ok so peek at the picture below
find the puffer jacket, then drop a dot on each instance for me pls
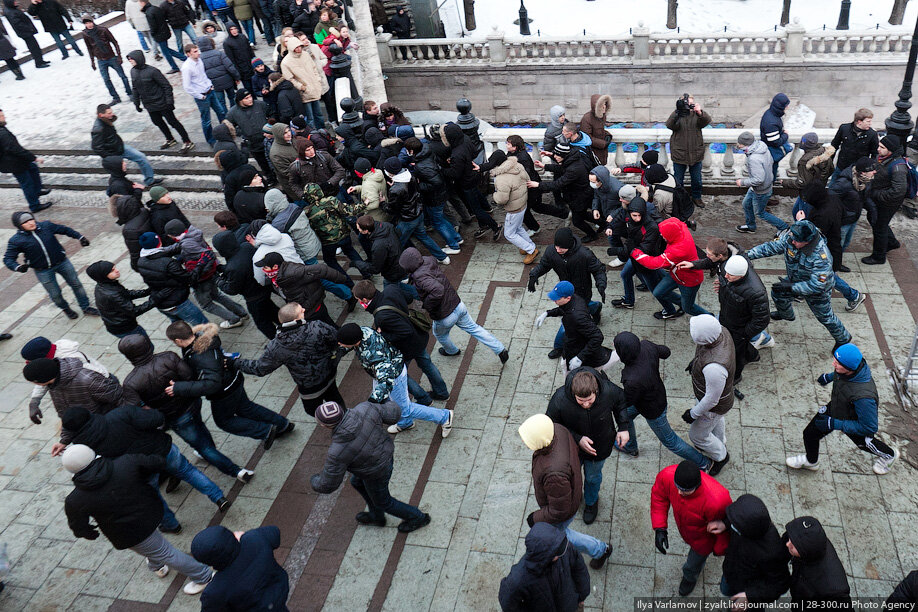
(540, 582)
(582, 337)
(371, 192)
(744, 304)
(302, 283)
(239, 52)
(759, 163)
(437, 293)
(77, 385)
(680, 246)
(605, 197)
(218, 67)
(814, 165)
(461, 156)
(510, 189)
(553, 131)
(593, 124)
(115, 303)
(40, 247)
(237, 277)
(853, 195)
(290, 219)
(214, 378)
(404, 200)
(606, 416)
(890, 184)
(269, 240)
(385, 252)
(644, 389)
(817, 575)
(686, 145)
(167, 278)
(301, 70)
(853, 144)
(756, 558)
(692, 512)
(149, 86)
(578, 265)
(306, 347)
(809, 268)
(771, 127)
(134, 221)
(557, 478)
(359, 445)
(123, 430)
(572, 180)
(324, 217)
(146, 384)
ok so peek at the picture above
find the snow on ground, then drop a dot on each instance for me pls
(615, 17)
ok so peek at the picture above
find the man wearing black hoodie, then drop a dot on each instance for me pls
(384, 255)
(116, 302)
(817, 574)
(151, 88)
(118, 182)
(463, 171)
(238, 278)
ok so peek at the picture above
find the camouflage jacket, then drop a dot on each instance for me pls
(326, 220)
(382, 361)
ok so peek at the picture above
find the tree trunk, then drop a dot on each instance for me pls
(671, 14)
(898, 12)
(785, 13)
(469, 14)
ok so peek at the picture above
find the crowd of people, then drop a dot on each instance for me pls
(320, 178)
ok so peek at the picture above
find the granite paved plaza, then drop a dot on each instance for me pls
(475, 484)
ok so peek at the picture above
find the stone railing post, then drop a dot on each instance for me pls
(386, 56)
(496, 50)
(793, 45)
(641, 38)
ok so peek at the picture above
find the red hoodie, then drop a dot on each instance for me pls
(680, 246)
(693, 513)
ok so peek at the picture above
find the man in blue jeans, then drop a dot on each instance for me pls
(200, 88)
(405, 205)
(168, 280)
(760, 182)
(161, 33)
(106, 142)
(53, 17)
(686, 145)
(20, 162)
(102, 46)
(44, 254)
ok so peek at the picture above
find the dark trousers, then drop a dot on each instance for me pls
(264, 315)
(869, 444)
(159, 119)
(529, 221)
(375, 492)
(235, 413)
(583, 220)
(190, 428)
(535, 204)
(261, 158)
(30, 182)
(330, 394)
(883, 236)
(476, 204)
(34, 49)
(745, 352)
(321, 314)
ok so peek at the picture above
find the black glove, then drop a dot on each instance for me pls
(602, 295)
(84, 241)
(92, 534)
(691, 363)
(825, 379)
(533, 283)
(221, 268)
(35, 412)
(328, 188)
(661, 539)
(23, 268)
(530, 520)
(687, 417)
(139, 108)
(783, 287)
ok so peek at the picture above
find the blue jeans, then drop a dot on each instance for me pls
(847, 233)
(650, 278)
(48, 280)
(847, 291)
(693, 565)
(210, 101)
(410, 292)
(139, 331)
(593, 307)
(835, 174)
(178, 35)
(665, 292)
(415, 229)
(379, 501)
(226, 16)
(337, 289)
(754, 205)
(235, 413)
(582, 542)
(30, 182)
(460, 317)
(821, 306)
(410, 410)
(143, 40)
(141, 160)
(592, 479)
(59, 38)
(661, 428)
(440, 223)
(249, 26)
(437, 384)
(190, 428)
(314, 114)
(178, 465)
(112, 63)
(168, 53)
(186, 311)
(694, 175)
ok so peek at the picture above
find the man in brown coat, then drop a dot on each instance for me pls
(593, 125)
(103, 49)
(558, 483)
(686, 145)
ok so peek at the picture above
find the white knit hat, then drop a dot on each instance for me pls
(77, 458)
(736, 265)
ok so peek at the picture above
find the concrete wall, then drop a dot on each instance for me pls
(731, 92)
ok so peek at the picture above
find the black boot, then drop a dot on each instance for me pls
(18, 72)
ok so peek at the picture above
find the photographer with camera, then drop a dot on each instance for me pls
(686, 145)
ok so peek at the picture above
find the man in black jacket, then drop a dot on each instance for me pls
(20, 162)
(296, 282)
(853, 141)
(25, 30)
(573, 181)
(851, 188)
(887, 190)
(115, 302)
(238, 50)
(152, 89)
(383, 255)
(238, 278)
(180, 18)
(817, 574)
(169, 281)
(361, 446)
(462, 171)
(117, 494)
(582, 344)
(52, 16)
(405, 205)
(222, 385)
(103, 48)
(640, 232)
(106, 142)
(592, 408)
(572, 262)
(159, 30)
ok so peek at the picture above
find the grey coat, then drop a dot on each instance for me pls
(280, 211)
(759, 163)
(79, 386)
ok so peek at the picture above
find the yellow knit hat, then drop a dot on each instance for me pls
(537, 431)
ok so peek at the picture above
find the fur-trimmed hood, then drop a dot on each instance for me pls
(204, 336)
(600, 105)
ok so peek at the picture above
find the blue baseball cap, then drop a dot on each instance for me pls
(849, 356)
(563, 289)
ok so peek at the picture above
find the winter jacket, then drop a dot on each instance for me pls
(644, 389)
(661, 198)
(853, 144)
(161, 214)
(324, 217)
(382, 361)
(756, 558)
(426, 169)
(905, 595)
(593, 124)
(167, 278)
(269, 240)
(40, 246)
(248, 577)
(117, 495)
(404, 200)
(540, 583)
(123, 430)
(249, 204)
(814, 165)
(77, 385)
(853, 198)
(292, 220)
(242, 9)
(282, 154)
(557, 478)
(301, 70)
(744, 306)
(437, 293)
(643, 235)
(105, 139)
(553, 131)
(809, 268)
(296, 282)
(115, 303)
(582, 337)
(370, 193)
(134, 221)
(224, 134)
(680, 246)
(578, 265)
(249, 122)
(321, 168)
(237, 277)
(156, 19)
(239, 52)
(105, 48)
(149, 86)
(14, 157)
(686, 144)
(118, 182)
(385, 252)
(53, 16)
(771, 127)
(599, 422)
(817, 575)
(306, 347)
(510, 189)
(359, 445)
(135, 16)
(461, 156)
(7, 50)
(572, 178)
(213, 377)
(146, 384)
(178, 13)
(692, 513)
(218, 67)
(395, 327)
(827, 216)
(605, 197)
(759, 163)
(890, 184)
(289, 101)
(19, 21)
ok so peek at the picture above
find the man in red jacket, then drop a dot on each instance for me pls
(680, 246)
(697, 501)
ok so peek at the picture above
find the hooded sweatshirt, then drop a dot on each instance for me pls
(282, 154)
(756, 559)
(269, 240)
(706, 331)
(437, 294)
(553, 131)
(817, 574)
(771, 127)
(759, 163)
(680, 246)
(289, 219)
(605, 197)
(641, 381)
(302, 71)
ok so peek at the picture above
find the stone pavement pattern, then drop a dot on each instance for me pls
(476, 484)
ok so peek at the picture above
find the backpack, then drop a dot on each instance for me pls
(683, 204)
(912, 175)
(208, 263)
(418, 318)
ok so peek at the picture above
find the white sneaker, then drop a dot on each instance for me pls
(799, 461)
(228, 325)
(461, 241)
(194, 588)
(531, 233)
(445, 262)
(447, 427)
(394, 429)
(761, 343)
(881, 466)
(615, 263)
(162, 572)
(198, 455)
(451, 251)
(244, 476)
(338, 251)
